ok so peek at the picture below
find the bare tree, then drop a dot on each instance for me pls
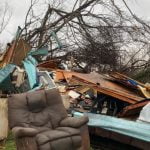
(113, 37)
(5, 16)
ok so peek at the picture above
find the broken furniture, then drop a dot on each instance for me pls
(46, 80)
(39, 121)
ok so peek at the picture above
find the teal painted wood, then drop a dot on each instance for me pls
(42, 51)
(133, 129)
(5, 81)
(30, 67)
(5, 72)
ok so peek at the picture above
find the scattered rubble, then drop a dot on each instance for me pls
(111, 94)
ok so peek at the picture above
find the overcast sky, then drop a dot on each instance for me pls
(20, 7)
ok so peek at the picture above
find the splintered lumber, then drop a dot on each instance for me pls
(101, 84)
(133, 109)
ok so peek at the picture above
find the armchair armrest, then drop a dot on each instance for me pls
(22, 132)
(74, 122)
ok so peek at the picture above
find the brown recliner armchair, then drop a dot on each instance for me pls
(39, 121)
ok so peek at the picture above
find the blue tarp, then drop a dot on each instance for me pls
(133, 129)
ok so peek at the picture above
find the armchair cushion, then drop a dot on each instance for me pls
(59, 133)
(42, 108)
(74, 122)
(22, 132)
(68, 143)
(41, 115)
(36, 102)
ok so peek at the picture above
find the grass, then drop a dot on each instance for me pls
(9, 144)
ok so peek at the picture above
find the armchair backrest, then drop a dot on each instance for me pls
(42, 108)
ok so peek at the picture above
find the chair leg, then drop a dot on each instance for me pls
(85, 137)
(26, 143)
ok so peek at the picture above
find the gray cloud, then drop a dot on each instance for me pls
(140, 7)
(18, 8)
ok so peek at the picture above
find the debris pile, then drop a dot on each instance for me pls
(114, 94)
(102, 94)
(24, 69)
